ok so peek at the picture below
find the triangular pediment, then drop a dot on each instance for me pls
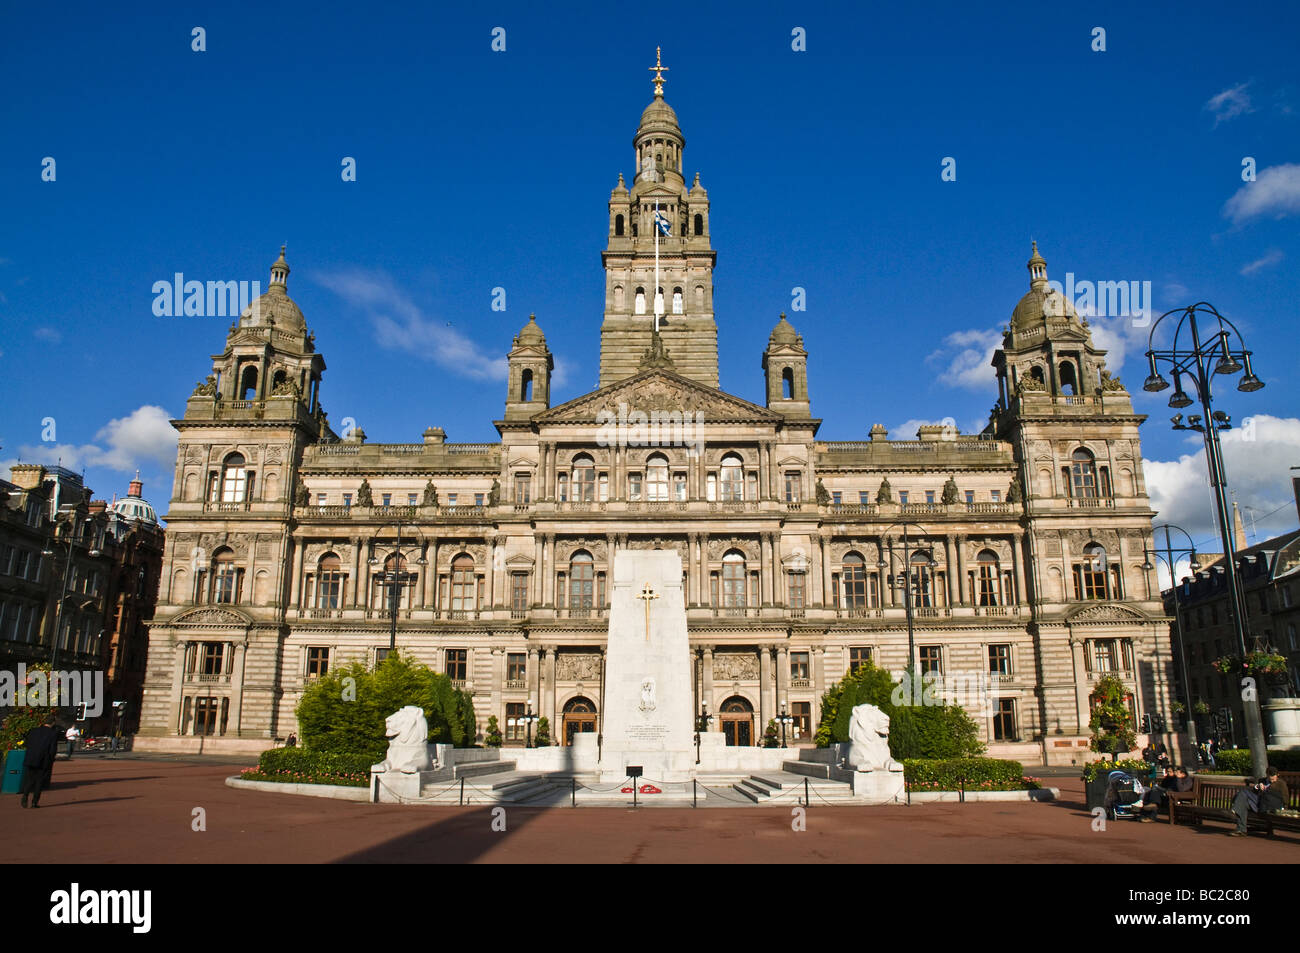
(658, 391)
(213, 615)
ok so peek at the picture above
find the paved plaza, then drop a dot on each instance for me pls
(137, 810)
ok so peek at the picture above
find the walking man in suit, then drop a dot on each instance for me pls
(41, 745)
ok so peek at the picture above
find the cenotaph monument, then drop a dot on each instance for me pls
(649, 710)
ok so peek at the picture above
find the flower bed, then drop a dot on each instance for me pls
(969, 774)
(300, 766)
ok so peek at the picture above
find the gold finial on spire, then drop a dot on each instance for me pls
(658, 69)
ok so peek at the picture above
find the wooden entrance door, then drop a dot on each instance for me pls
(579, 718)
(737, 717)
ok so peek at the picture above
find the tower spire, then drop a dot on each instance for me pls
(658, 69)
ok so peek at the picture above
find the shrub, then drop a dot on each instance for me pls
(493, 737)
(951, 774)
(299, 766)
(769, 734)
(543, 738)
(1134, 766)
(344, 711)
(915, 731)
(1237, 761)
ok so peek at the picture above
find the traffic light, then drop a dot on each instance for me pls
(81, 712)
(1158, 722)
(1146, 724)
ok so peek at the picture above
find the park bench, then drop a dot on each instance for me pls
(1211, 799)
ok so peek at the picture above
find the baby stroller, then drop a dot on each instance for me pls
(1123, 796)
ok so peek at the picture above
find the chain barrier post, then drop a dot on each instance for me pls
(573, 792)
(462, 792)
(695, 792)
(805, 793)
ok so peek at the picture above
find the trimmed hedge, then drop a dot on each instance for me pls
(972, 774)
(300, 766)
(1237, 761)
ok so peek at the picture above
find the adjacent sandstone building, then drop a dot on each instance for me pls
(290, 547)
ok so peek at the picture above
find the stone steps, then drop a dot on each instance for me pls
(475, 769)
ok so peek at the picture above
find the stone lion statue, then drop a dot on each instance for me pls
(407, 731)
(869, 740)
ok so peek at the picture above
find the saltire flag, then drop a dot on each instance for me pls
(665, 228)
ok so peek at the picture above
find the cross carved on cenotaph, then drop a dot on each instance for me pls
(646, 594)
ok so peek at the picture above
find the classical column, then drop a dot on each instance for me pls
(431, 575)
(950, 566)
(237, 688)
(538, 555)
(819, 668)
(1017, 563)
(491, 541)
(357, 551)
(533, 674)
(764, 471)
(550, 569)
(961, 570)
(782, 674)
(765, 690)
(773, 570)
(498, 681)
(822, 542)
(297, 572)
(708, 677)
(178, 686)
(887, 595)
(549, 703)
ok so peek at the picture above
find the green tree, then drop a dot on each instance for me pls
(769, 734)
(344, 711)
(493, 737)
(1111, 722)
(23, 718)
(543, 737)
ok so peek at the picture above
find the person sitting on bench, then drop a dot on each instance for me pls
(1156, 798)
(1261, 797)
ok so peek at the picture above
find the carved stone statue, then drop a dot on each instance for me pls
(301, 495)
(1030, 384)
(823, 494)
(950, 490)
(430, 494)
(494, 494)
(1109, 383)
(286, 388)
(869, 740)
(886, 492)
(365, 496)
(1014, 493)
(206, 388)
(407, 731)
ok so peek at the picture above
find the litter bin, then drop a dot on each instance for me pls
(13, 777)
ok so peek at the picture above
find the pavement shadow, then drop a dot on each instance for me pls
(95, 782)
(97, 800)
(461, 838)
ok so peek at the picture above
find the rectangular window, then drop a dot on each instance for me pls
(679, 487)
(347, 499)
(210, 661)
(929, 496)
(970, 496)
(1004, 722)
(380, 656)
(515, 721)
(318, 661)
(995, 496)
(523, 488)
(799, 666)
(902, 497)
(457, 664)
(320, 499)
(859, 655)
(386, 499)
(795, 588)
(1104, 655)
(634, 486)
(519, 591)
(864, 497)
(802, 712)
(793, 487)
(751, 485)
(836, 498)
(451, 499)
(410, 499)
(516, 669)
(1000, 659)
(931, 657)
(562, 488)
(478, 499)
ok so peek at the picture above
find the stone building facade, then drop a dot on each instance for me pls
(287, 541)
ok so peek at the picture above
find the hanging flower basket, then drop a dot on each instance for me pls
(1264, 664)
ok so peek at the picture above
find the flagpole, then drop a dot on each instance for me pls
(655, 292)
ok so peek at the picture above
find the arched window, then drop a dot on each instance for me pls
(987, 579)
(639, 302)
(584, 478)
(699, 297)
(1082, 475)
(656, 475)
(733, 478)
(1068, 383)
(618, 226)
(227, 578)
(618, 298)
(733, 580)
(582, 576)
(329, 582)
(248, 383)
(922, 579)
(234, 480)
(659, 301)
(394, 573)
(699, 224)
(677, 301)
(277, 380)
(1090, 573)
(526, 385)
(854, 582)
(464, 585)
(1036, 373)
(787, 384)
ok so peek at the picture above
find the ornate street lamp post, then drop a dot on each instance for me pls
(1192, 362)
(907, 580)
(785, 718)
(1168, 557)
(394, 580)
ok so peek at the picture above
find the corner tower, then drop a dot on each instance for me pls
(683, 258)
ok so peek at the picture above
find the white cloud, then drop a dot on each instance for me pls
(1257, 455)
(1119, 337)
(964, 359)
(1275, 191)
(1272, 257)
(49, 335)
(1230, 103)
(400, 324)
(143, 437)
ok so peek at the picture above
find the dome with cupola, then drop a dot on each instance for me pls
(275, 307)
(1041, 301)
(133, 506)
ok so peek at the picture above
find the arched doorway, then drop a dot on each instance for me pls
(737, 717)
(579, 717)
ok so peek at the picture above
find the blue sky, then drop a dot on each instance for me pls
(479, 169)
